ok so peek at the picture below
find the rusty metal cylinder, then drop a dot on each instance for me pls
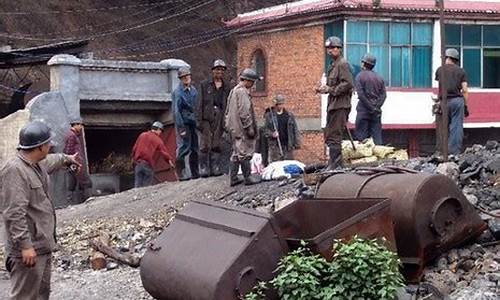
(429, 211)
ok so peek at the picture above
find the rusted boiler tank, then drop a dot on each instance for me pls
(429, 211)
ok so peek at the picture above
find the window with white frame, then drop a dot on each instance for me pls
(479, 47)
(403, 50)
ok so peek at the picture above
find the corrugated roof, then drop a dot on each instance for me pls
(298, 8)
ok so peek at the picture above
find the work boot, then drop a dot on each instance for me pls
(193, 165)
(247, 173)
(234, 167)
(215, 169)
(179, 169)
(204, 164)
(335, 160)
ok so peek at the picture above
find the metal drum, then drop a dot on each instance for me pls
(430, 213)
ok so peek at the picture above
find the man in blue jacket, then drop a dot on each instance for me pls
(371, 94)
(184, 102)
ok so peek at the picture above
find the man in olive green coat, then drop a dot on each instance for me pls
(339, 87)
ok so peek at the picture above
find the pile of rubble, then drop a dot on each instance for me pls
(355, 153)
(129, 235)
(471, 272)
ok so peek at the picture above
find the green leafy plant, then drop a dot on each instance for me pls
(300, 275)
(257, 292)
(362, 269)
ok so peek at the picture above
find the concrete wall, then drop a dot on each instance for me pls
(9, 133)
(140, 89)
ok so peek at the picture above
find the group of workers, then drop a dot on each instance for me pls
(370, 89)
(201, 118)
(28, 212)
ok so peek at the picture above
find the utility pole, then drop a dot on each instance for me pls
(442, 128)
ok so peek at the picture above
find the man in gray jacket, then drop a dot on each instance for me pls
(28, 213)
(242, 127)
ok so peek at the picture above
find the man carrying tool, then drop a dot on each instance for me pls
(78, 183)
(209, 114)
(184, 102)
(457, 94)
(370, 88)
(28, 212)
(239, 120)
(281, 131)
(339, 87)
(145, 147)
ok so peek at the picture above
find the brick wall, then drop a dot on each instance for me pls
(294, 65)
(9, 133)
(312, 149)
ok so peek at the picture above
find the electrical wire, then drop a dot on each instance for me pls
(110, 32)
(87, 10)
(87, 27)
(128, 47)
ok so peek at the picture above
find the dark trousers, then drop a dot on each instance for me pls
(211, 133)
(78, 187)
(188, 144)
(455, 125)
(143, 175)
(369, 125)
(335, 126)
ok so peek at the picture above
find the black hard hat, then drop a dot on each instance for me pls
(157, 125)
(219, 63)
(369, 59)
(453, 53)
(249, 74)
(76, 120)
(183, 71)
(34, 134)
(333, 41)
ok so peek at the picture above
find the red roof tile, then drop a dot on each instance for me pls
(311, 6)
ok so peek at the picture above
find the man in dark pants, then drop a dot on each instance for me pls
(280, 127)
(210, 119)
(145, 147)
(370, 88)
(28, 212)
(339, 87)
(239, 120)
(78, 183)
(457, 95)
(184, 102)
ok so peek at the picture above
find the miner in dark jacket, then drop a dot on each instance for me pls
(212, 100)
(280, 127)
(370, 88)
(339, 88)
(28, 212)
(184, 102)
(457, 93)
